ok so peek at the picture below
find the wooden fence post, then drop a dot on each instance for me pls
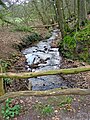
(1, 84)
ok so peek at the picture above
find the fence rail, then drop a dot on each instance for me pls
(44, 73)
(53, 92)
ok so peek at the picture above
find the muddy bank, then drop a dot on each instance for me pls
(10, 40)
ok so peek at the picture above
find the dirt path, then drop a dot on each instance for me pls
(51, 108)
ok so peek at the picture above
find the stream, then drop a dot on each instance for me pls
(42, 57)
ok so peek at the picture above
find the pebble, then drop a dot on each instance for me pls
(55, 118)
(38, 116)
(56, 111)
(21, 101)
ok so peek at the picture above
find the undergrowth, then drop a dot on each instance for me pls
(77, 45)
(29, 40)
(22, 29)
(4, 66)
(44, 109)
(52, 104)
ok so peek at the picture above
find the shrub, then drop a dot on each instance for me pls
(10, 109)
(4, 65)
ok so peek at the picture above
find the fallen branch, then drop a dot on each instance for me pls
(43, 26)
(53, 92)
(25, 75)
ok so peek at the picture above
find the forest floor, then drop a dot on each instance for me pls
(47, 108)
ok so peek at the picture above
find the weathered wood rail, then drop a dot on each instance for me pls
(1, 84)
(53, 92)
(44, 73)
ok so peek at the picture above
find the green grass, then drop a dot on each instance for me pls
(47, 107)
(43, 109)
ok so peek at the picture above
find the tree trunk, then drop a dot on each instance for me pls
(82, 13)
(39, 13)
(60, 17)
(45, 15)
(67, 6)
(75, 7)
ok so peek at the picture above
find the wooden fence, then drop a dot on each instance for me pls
(53, 92)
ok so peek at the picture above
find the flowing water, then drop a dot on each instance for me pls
(42, 57)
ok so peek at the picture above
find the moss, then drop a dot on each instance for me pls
(77, 45)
